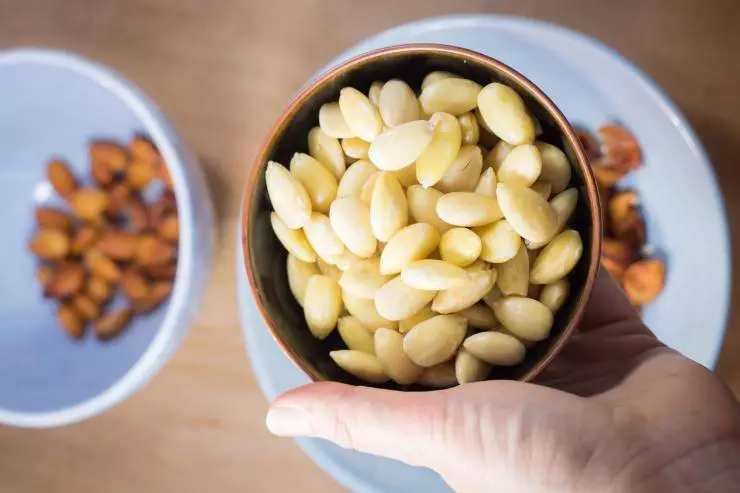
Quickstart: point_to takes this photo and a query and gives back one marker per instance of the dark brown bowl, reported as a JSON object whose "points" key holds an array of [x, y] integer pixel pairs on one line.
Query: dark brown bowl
{"points": [[265, 258]]}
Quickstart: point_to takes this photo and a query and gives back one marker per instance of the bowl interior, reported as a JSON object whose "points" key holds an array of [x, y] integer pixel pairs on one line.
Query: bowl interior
{"points": [[266, 258], [52, 111]]}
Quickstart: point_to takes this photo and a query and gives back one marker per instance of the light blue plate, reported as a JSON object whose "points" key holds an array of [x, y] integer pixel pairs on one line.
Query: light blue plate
{"points": [[686, 221]]}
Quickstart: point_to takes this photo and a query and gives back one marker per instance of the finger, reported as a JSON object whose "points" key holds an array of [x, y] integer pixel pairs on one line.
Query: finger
{"points": [[608, 305], [399, 425]]}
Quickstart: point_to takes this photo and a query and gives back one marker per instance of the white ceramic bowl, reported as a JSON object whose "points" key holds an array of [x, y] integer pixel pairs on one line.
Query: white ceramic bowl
{"points": [[53, 104]]}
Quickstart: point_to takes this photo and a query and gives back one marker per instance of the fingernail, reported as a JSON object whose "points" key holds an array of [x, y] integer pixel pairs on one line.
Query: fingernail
{"points": [[287, 422]]}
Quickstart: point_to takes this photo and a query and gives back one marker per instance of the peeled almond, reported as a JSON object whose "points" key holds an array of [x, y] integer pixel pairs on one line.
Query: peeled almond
{"points": [[328, 269], [480, 316], [556, 169], [521, 166], [495, 158], [360, 364], [373, 94], [400, 146], [327, 151], [492, 296], [553, 295], [465, 295], [436, 340], [390, 353], [346, 260], [460, 246], [558, 258], [470, 129], [529, 214], [412, 243], [322, 237], [495, 348], [469, 369], [363, 279], [451, 95], [435, 76], [396, 300], [542, 188], [499, 242], [468, 209], [299, 272], [355, 147], [294, 240], [332, 122], [355, 177], [513, 275], [409, 323], [355, 335], [439, 376], [406, 176], [389, 211], [322, 303], [505, 114], [433, 275], [487, 183], [366, 192], [423, 206], [366, 312], [288, 196], [464, 173], [350, 219], [439, 155], [526, 318], [564, 204], [361, 116], [397, 103], [316, 179]]}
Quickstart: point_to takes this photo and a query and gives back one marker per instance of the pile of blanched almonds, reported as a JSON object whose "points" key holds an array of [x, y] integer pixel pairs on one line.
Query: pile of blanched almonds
{"points": [[434, 256]]}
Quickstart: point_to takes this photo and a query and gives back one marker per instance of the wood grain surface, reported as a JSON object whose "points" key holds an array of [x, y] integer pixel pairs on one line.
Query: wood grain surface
{"points": [[222, 71]]}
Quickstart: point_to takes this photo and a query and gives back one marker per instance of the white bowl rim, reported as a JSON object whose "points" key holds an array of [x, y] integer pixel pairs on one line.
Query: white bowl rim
{"points": [[165, 138]]}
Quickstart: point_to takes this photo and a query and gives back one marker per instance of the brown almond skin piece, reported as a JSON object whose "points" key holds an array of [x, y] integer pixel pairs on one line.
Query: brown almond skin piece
{"points": [[138, 216], [90, 204], [112, 323], [165, 176], [61, 178], [140, 174], [159, 293], [83, 240], [153, 250], [101, 172], [120, 196], [163, 272], [71, 321], [50, 244], [49, 217], [111, 153], [164, 206], [68, 280], [169, 228], [102, 266], [143, 149], [44, 274], [134, 285], [86, 307], [98, 289], [118, 244]]}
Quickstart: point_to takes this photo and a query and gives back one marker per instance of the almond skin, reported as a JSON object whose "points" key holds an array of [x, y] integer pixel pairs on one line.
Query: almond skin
{"points": [[90, 204], [102, 266], [142, 149], [44, 274], [83, 240], [118, 244], [112, 324], [67, 281], [134, 285], [98, 289], [86, 307], [159, 292], [71, 321], [61, 178], [49, 217], [152, 250], [140, 174], [162, 272], [138, 216], [101, 172], [169, 228], [120, 196], [50, 244], [110, 153]]}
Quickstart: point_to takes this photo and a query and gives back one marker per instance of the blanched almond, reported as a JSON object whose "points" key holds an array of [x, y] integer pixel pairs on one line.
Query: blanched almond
{"points": [[433, 275], [395, 362], [294, 240], [505, 114], [470, 129], [327, 151], [397, 103], [563, 204], [332, 121], [556, 168], [468, 209], [436, 340], [480, 316], [400, 146], [406, 176], [498, 154], [553, 295], [423, 206], [487, 183], [299, 272], [366, 192], [362, 365], [492, 296], [323, 239], [355, 335], [408, 323], [500, 242], [389, 211], [439, 155], [396, 300], [329, 270], [521, 166], [435, 76], [355, 177], [61, 178], [464, 173], [366, 312], [558, 258], [452, 95], [412, 243], [355, 147], [495, 348], [460, 246], [360, 115], [288, 196], [526, 318], [373, 94], [316, 179], [467, 294], [439, 376], [543, 189], [529, 214], [346, 260], [51, 244], [322, 303], [513, 275], [363, 279], [469, 369], [350, 219]]}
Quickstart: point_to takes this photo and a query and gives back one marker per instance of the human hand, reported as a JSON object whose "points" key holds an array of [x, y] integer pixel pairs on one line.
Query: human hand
{"points": [[616, 412]]}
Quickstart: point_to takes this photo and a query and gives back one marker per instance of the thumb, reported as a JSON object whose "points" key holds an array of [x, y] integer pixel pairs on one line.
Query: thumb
{"points": [[408, 426]]}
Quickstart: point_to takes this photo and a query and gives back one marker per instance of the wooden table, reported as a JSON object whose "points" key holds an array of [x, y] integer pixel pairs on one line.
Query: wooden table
{"points": [[223, 70]]}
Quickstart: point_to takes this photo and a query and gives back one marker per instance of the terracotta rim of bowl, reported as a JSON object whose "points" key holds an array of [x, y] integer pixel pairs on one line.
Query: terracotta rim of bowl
{"points": [[431, 49]]}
